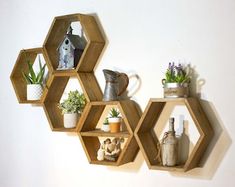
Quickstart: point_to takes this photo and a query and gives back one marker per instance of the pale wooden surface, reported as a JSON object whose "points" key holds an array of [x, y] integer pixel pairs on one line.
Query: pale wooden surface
{"points": [[92, 51], [89, 135], [56, 87], [147, 139], [17, 79], [100, 133]]}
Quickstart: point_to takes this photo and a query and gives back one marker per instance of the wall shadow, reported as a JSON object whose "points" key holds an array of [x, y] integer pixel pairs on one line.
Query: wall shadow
{"points": [[220, 142], [132, 167]]}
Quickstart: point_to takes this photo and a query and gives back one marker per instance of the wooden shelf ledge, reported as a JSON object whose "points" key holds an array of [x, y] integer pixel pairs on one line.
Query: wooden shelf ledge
{"points": [[100, 133]]}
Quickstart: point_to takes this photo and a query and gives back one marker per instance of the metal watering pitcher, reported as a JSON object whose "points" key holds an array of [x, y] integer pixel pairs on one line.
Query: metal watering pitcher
{"points": [[113, 83]]}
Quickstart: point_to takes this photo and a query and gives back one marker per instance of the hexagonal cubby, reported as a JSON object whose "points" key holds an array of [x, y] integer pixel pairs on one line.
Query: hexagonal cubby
{"points": [[94, 42], [58, 82], [17, 79], [91, 135], [152, 124]]}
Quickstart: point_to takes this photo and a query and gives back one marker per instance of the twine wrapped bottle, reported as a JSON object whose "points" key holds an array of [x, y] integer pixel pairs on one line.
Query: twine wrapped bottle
{"points": [[169, 146]]}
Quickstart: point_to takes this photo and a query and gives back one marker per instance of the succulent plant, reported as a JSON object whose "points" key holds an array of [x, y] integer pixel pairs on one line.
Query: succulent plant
{"points": [[32, 77], [106, 121], [114, 113]]}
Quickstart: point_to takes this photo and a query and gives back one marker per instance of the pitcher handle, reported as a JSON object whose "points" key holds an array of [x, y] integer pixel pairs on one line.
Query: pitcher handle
{"points": [[125, 86]]}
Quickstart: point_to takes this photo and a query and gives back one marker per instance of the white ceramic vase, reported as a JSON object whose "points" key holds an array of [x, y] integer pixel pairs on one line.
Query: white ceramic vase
{"points": [[70, 120], [34, 91]]}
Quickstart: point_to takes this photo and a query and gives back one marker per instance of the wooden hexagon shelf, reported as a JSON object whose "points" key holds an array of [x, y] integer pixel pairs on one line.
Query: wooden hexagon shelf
{"points": [[89, 134], [55, 91], [92, 51], [17, 78], [148, 141]]}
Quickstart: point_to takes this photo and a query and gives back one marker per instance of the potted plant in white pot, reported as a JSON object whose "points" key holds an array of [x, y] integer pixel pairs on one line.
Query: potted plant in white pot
{"points": [[114, 120], [105, 126], [34, 81], [176, 82], [72, 108]]}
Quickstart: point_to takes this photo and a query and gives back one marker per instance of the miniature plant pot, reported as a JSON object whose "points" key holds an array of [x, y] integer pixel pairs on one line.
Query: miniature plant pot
{"points": [[115, 124], [105, 127], [34, 91], [176, 90], [70, 120]]}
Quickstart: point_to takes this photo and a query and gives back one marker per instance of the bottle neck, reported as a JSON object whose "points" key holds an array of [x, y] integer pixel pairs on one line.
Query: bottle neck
{"points": [[171, 126]]}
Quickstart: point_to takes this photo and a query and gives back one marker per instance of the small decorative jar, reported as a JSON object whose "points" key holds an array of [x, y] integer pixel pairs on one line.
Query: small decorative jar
{"points": [[175, 90]]}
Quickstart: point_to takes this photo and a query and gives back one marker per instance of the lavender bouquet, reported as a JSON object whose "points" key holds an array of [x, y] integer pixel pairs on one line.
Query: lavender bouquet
{"points": [[176, 74]]}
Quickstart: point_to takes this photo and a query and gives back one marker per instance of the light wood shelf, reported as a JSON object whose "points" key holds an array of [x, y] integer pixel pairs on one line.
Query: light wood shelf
{"points": [[100, 133], [89, 134], [17, 79], [55, 91], [92, 51], [147, 139]]}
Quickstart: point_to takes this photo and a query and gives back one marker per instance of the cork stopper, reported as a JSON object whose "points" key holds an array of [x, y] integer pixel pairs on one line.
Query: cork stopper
{"points": [[171, 125]]}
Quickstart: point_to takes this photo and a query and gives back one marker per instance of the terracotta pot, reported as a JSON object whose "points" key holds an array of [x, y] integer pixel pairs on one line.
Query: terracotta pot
{"points": [[34, 92], [115, 124]]}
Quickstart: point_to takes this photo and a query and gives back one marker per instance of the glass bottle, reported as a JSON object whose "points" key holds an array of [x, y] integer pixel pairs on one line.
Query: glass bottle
{"points": [[170, 146]]}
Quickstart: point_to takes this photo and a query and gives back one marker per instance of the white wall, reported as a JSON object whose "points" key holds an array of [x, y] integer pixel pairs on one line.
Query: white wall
{"points": [[143, 36]]}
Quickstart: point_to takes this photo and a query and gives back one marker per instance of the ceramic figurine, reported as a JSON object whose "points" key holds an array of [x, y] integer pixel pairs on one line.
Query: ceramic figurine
{"points": [[100, 154], [110, 150], [169, 146]]}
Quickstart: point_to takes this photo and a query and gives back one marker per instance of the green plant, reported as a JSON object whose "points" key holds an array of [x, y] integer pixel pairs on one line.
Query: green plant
{"points": [[114, 113], [106, 121], [75, 103], [176, 74], [32, 77]]}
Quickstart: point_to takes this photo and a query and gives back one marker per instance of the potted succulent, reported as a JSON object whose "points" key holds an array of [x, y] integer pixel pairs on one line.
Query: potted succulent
{"points": [[114, 120], [34, 81], [176, 82], [72, 108], [105, 126]]}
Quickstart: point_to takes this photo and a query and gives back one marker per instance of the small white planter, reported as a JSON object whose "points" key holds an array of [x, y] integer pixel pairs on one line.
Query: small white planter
{"points": [[70, 120], [105, 127], [34, 91]]}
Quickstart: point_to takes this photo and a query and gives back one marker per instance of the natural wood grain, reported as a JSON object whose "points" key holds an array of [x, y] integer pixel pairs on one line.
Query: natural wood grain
{"points": [[130, 151], [88, 130], [93, 49], [147, 139], [91, 145], [129, 108], [58, 83], [100, 133], [17, 79], [90, 86]]}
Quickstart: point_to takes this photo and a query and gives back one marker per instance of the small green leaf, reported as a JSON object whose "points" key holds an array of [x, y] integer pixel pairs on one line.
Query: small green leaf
{"points": [[31, 72], [27, 78]]}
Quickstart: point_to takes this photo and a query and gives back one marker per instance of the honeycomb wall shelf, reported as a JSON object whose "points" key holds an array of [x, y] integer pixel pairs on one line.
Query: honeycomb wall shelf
{"points": [[55, 91], [17, 78], [89, 134], [148, 141], [92, 51], [138, 130]]}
